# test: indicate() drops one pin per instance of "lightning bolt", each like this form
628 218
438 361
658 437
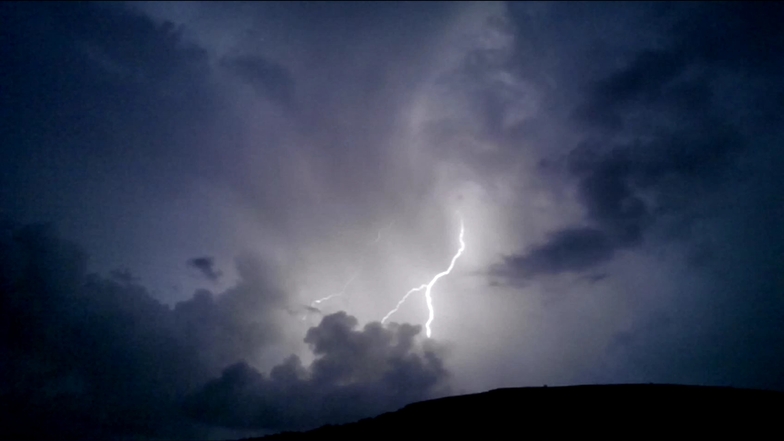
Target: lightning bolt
400 303
342 291
429 287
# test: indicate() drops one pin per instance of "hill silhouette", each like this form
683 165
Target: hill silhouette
574 412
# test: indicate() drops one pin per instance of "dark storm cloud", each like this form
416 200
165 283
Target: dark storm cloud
93 98
730 37
206 266
642 80
72 57
744 36
357 374
659 136
80 352
682 143
726 330
98 357
566 250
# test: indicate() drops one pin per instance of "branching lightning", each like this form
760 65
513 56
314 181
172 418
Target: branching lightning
429 287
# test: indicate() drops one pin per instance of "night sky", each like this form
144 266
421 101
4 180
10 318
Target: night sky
180 183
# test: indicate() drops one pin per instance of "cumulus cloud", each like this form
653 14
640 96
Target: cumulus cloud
99 357
356 374
81 352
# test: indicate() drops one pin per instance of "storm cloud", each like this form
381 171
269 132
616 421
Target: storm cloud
658 136
616 167
97 357
357 374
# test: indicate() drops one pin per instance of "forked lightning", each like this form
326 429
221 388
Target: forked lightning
429 287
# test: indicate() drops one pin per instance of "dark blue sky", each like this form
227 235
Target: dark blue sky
180 182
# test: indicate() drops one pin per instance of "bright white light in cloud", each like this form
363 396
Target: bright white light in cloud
429 287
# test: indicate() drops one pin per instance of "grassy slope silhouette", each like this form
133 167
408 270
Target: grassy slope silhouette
575 412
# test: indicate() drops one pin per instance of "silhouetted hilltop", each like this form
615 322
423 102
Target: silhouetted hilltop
630 412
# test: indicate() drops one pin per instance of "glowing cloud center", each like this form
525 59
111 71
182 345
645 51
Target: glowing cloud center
429 286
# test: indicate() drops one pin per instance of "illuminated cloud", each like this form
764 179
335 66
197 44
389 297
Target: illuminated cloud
617 166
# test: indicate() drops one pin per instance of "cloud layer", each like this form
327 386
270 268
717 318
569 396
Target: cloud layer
99 357
616 166
357 374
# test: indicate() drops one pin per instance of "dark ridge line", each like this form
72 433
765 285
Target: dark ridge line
591 411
